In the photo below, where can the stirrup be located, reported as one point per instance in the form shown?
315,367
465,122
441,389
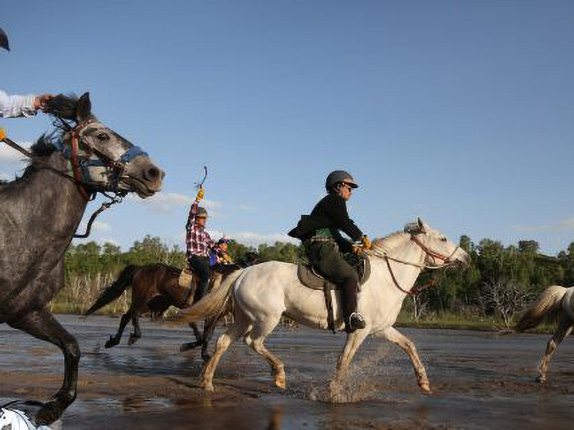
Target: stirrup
356,321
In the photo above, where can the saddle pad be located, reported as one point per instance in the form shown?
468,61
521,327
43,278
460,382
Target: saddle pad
308,277
185,278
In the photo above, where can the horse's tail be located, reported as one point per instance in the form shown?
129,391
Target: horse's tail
212,304
115,290
546,307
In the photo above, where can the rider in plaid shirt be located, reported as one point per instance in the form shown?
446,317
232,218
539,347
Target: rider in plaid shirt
199,245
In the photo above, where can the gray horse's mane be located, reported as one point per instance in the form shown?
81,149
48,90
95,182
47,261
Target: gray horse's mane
45,146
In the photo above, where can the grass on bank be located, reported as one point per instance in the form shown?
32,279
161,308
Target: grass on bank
81,291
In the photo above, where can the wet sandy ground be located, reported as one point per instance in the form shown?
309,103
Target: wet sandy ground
479,381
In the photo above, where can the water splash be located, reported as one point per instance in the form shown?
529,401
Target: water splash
366,379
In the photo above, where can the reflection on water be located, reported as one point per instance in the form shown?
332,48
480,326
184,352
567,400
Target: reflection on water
476,378
275,419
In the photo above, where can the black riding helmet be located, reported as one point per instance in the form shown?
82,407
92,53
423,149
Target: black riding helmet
4,40
201,212
339,176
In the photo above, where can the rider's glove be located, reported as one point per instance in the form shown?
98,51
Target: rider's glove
200,194
366,242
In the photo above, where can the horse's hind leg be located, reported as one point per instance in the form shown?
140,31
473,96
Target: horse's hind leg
137,334
564,329
42,325
208,330
115,340
256,338
239,329
198,339
393,335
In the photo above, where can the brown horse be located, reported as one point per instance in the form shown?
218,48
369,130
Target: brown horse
155,288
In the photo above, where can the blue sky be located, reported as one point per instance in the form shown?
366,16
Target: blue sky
458,112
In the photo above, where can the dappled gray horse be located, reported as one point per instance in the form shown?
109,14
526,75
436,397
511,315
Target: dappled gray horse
40,212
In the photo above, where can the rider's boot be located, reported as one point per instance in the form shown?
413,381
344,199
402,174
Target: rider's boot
353,319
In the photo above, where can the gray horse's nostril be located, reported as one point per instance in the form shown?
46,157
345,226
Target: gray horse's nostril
153,173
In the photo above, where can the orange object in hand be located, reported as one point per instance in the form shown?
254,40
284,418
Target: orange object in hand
200,194
2,134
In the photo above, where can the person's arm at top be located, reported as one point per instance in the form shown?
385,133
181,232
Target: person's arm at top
21,106
191,217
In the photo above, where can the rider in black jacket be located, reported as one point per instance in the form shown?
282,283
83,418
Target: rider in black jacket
324,244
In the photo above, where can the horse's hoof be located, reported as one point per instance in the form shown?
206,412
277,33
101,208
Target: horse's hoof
49,413
208,387
133,339
281,382
541,380
425,387
111,343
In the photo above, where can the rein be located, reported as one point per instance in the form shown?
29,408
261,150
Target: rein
106,205
117,165
429,252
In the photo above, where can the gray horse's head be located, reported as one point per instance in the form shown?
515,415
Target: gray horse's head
107,161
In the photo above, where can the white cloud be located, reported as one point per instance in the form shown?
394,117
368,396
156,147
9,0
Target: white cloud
11,157
99,240
246,208
166,202
97,227
246,237
255,239
565,225
6,176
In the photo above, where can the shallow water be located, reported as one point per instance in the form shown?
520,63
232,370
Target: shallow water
479,380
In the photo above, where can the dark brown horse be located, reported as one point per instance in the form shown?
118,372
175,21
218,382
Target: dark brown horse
155,288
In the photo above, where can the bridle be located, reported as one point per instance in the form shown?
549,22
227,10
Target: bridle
448,261
80,166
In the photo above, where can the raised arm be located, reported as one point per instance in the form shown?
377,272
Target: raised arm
21,106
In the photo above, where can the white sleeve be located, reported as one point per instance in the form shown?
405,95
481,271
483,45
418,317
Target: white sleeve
15,106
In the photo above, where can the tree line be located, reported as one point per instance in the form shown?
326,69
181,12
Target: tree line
499,281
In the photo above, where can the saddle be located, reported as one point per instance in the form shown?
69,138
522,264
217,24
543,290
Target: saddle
185,278
311,279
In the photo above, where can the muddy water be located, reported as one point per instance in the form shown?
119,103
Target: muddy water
479,381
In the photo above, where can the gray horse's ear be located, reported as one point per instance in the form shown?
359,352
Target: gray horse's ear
84,108
4,40
421,225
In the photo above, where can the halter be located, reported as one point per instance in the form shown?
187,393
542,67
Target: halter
80,169
429,252
81,165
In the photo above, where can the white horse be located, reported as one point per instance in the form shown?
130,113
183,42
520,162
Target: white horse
264,292
17,420
556,303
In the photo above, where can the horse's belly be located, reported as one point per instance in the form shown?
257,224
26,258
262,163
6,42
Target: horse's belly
308,307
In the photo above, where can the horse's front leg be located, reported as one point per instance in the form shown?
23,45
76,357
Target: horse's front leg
115,340
42,325
393,335
354,340
563,330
